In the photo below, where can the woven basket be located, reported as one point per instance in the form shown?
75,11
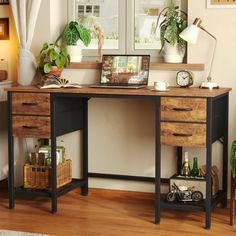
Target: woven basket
38,177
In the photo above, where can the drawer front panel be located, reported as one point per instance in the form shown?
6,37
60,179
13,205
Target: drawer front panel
31,126
184,109
31,103
183,134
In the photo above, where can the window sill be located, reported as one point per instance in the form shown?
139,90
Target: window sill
153,66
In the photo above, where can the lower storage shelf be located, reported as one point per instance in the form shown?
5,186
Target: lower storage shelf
47,193
193,206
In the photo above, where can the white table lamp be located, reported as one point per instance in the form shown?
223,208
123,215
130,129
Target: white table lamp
190,34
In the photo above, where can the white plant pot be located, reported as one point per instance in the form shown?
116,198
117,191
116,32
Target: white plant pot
75,53
172,54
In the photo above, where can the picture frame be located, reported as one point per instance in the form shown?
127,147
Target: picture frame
221,3
4,2
4,28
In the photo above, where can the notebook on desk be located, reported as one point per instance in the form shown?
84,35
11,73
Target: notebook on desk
124,71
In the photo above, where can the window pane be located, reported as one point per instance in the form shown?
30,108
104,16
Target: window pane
103,14
146,13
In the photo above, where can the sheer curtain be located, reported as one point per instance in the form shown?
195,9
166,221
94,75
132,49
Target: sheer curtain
25,13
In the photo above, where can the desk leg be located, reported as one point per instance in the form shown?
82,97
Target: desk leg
53,158
11,188
225,153
84,189
232,200
157,163
208,164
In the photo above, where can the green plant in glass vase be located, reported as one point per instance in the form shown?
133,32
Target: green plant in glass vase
52,59
174,21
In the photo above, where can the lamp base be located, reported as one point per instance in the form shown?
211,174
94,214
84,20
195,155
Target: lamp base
209,85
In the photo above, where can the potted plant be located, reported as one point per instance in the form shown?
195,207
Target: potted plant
52,59
96,31
174,22
72,33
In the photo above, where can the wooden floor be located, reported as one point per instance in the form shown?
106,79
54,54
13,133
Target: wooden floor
106,212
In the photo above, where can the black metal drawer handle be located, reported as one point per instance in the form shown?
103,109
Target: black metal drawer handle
29,127
182,135
29,103
183,109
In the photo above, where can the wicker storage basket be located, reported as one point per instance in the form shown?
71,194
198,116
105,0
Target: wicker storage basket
38,177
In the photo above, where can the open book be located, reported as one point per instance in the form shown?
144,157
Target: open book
56,82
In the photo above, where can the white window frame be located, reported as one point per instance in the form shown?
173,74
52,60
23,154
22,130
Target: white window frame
130,36
126,37
92,54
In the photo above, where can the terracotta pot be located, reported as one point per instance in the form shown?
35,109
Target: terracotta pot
55,71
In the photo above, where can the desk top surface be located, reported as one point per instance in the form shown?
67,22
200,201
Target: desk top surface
172,92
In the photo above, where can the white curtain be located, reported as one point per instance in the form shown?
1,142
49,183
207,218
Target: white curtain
25,13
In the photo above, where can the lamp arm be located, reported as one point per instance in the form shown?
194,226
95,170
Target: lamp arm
202,28
213,55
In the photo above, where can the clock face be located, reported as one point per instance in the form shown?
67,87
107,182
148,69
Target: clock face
184,78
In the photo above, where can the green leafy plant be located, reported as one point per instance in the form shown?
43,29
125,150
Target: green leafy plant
52,55
175,21
74,32
233,158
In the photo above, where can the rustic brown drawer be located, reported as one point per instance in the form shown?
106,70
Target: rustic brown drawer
31,126
183,109
31,103
183,134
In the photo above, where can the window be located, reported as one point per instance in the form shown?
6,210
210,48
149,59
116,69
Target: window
128,25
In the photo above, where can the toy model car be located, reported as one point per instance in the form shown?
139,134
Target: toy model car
183,194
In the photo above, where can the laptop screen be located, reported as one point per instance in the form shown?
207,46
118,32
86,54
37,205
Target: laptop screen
125,69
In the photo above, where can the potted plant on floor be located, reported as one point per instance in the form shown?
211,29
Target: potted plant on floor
73,33
52,59
173,23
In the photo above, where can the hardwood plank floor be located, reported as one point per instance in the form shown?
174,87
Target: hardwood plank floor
107,212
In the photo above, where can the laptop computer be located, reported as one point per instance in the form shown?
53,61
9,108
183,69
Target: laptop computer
124,71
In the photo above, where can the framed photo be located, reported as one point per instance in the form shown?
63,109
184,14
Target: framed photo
4,28
221,3
4,2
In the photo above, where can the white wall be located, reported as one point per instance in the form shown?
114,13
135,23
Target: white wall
8,48
221,23
8,52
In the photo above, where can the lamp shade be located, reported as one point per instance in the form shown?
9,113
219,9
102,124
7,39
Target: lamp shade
190,34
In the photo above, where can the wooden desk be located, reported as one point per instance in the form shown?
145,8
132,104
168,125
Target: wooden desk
190,117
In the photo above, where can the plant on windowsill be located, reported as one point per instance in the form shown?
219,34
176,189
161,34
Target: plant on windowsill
96,31
74,32
52,59
174,22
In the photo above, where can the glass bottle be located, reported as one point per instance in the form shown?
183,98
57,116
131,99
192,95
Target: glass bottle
185,171
195,170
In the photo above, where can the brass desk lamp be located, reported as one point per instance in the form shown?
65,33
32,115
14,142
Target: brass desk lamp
190,34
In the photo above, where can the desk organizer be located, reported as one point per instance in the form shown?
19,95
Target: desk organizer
38,177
